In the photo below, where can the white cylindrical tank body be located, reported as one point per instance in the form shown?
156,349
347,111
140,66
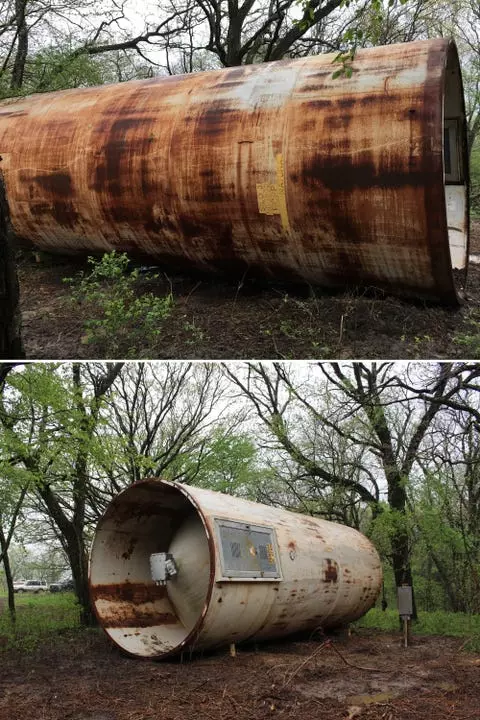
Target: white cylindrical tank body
241,570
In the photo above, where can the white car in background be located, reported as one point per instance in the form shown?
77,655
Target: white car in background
33,586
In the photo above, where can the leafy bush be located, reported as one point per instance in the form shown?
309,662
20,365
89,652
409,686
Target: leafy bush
119,321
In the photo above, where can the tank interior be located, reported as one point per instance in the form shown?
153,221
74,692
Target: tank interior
145,526
456,165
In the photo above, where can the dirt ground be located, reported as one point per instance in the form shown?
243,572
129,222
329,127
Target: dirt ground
82,676
217,319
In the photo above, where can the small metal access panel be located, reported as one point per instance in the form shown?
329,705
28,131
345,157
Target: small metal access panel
405,601
247,551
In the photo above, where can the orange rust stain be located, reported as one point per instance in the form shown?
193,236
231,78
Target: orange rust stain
330,571
135,593
138,619
139,510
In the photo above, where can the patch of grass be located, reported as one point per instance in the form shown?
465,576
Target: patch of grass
38,618
379,620
431,623
470,341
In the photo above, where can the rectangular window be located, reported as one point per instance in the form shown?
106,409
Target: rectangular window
452,152
448,152
247,551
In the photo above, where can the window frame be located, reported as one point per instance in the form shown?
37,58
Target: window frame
453,130
247,575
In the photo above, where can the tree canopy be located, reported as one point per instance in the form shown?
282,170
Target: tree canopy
392,450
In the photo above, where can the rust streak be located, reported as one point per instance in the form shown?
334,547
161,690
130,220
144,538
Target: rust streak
139,619
330,571
351,173
135,593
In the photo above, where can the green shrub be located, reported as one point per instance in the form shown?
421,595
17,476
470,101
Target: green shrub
119,321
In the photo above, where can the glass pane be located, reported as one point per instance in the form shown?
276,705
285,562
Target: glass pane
247,550
447,151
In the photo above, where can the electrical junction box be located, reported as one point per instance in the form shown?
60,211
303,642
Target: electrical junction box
405,601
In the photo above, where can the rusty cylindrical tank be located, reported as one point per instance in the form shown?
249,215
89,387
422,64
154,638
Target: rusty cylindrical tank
230,569
277,168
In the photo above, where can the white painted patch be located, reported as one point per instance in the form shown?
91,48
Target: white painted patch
456,217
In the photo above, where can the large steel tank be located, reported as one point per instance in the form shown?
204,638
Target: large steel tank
278,169
177,568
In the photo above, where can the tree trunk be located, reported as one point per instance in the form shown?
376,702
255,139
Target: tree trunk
8,576
18,70
11,346
74,545
78,558
402,569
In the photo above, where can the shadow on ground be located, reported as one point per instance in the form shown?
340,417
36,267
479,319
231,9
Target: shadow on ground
215,319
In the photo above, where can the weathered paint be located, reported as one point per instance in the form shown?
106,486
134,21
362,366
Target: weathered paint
278,169
329,574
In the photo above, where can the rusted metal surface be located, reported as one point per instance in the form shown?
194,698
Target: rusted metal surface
328,574
277,169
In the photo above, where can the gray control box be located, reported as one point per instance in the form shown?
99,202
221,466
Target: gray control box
405,601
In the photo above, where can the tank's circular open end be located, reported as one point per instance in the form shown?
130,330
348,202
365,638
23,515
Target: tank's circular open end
146,610
456,171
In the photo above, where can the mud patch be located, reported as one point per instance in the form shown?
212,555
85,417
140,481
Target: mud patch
81,676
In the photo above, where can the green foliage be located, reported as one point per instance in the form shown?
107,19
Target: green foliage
432,623
55,69
118,320
470,341
61,67
355,35
376,5
58,69
228,463
447,546
45,393
388,524
39,617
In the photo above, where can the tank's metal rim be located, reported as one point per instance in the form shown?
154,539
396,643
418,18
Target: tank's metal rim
453,48
451,288
189,641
